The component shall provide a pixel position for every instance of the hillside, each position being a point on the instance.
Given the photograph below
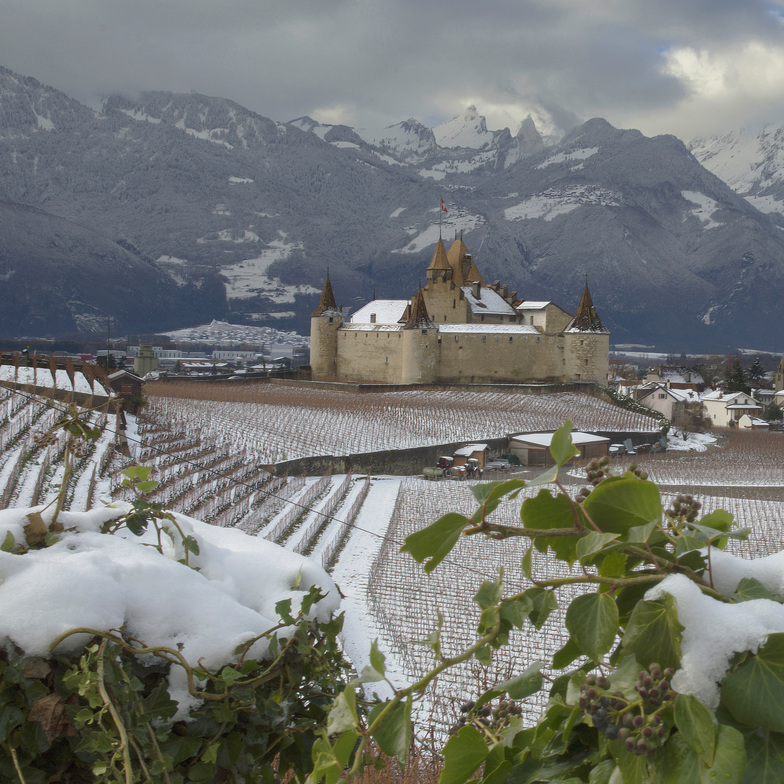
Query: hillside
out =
(245, 215)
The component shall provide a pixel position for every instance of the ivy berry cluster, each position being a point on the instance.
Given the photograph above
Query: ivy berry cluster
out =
(487, 717)
(637, 722)
(684, 508)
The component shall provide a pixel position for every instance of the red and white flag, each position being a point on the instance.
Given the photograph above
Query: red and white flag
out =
(443, 208)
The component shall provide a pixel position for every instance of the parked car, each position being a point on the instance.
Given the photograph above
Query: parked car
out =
(498, 465)
(616, 450)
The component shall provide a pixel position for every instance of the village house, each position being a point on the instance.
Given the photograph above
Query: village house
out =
(533, 449)
(665, 399)
(724, 409)
(458, 330)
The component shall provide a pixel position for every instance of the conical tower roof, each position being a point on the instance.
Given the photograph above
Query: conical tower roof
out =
(586, 319)
(457, 252)
(327, 301)
(419, 318)
(439, 260)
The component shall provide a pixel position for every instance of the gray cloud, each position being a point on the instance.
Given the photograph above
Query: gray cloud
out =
(382, 61)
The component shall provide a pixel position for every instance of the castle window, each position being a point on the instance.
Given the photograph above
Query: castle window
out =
(424, 332)
(456, 338)
(510, 338)
(386, 359)
(484, 338)
(582, 342)
(586, 362)
(454, 303)
(578, 376)
(331, 319)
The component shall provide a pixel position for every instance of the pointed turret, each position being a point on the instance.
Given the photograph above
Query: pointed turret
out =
(439, 264)
(586, 319)
(327, 301)
(464, 270)
(419, 318)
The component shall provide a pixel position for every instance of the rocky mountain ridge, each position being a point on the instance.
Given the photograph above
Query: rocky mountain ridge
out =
(244, 215)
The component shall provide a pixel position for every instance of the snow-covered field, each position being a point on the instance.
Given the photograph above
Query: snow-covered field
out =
(207, 455)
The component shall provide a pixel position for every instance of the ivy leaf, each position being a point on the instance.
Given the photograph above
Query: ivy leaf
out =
(393, 735)
(620, 505)
(489, 594)
(543, 601)
(527, 565)
(436, 541)
(592, 620)
(653, 632)
(515, 611)
(561, 447)
(343, 714)
(490, 494)
(750, 588)
(191, 544)
(566, 655)
(695, 723)
(518, 688)
(137, 472)
(377, 659)
(764, 758)
(146, 487)
(680, 763)
(754, 692)
(593, 543)
(463, 754)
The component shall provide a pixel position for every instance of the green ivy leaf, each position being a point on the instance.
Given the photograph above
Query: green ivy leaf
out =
(463, 754)
(436, 541)
(146, 487)
(561, 447)
(620, 505)
(527, 563)
(517, 688)
(750, 588)
(137, 472)
(592, 621)
(343, 714)
(377, 659)
(394, 733)
(764, 758)
(754, 692)
(695, 723)
(564, 656)
(681, 764)
(515, 611)
(489, 594)
(593, 543)
(543, 601)
(8, 543)
(653, 632)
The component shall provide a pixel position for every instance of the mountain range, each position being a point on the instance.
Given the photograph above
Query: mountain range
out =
(167, 210)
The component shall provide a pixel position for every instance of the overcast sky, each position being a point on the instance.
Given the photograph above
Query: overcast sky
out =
(688, 67)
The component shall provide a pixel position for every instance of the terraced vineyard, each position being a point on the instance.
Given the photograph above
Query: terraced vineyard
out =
(208, 464)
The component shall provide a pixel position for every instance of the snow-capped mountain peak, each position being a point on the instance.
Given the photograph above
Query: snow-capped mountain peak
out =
(466, 130)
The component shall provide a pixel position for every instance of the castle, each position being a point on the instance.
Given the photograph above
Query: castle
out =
(458, 330)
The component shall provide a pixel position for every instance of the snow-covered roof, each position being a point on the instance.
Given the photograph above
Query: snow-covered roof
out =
(368, 327)
(532, 305)
(387, 311)
(489, 302)
(467, 451)
(681, 395)
(544, 439)
(489, 329)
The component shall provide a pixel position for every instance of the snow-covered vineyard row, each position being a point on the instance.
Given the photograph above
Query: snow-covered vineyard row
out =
(195, 477)
(745, 458)
(270, 423)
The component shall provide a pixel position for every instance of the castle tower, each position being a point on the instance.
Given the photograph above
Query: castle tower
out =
(439, 268)
(325, 321)
(420, 346)
(586, 344)
(464, 269)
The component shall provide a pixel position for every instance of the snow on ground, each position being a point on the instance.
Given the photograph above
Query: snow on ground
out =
(554, 202)
(428, 237)
(248, 278)
(704, 210)
(568, 157)
(352, 573)
(680, 441)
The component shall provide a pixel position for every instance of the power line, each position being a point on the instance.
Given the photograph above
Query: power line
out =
(241, 483)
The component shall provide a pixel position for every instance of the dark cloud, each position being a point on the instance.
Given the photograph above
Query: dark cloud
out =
(382, 62)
